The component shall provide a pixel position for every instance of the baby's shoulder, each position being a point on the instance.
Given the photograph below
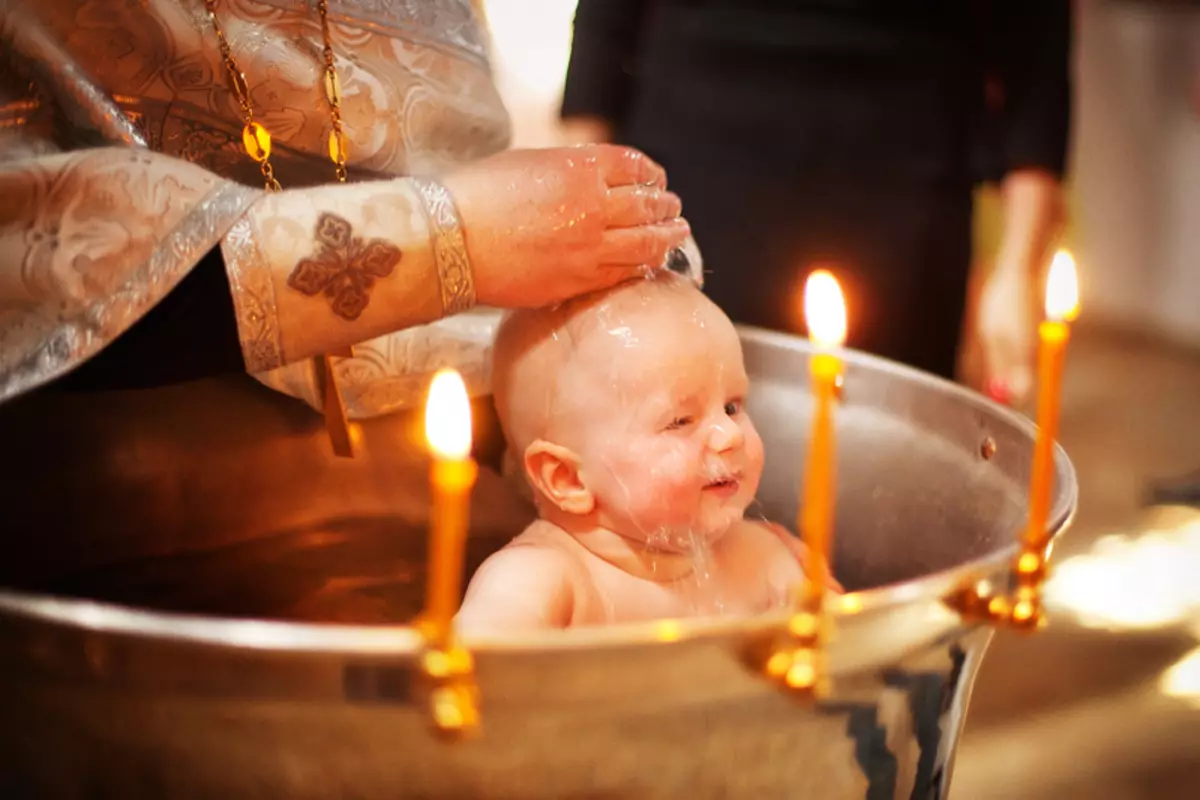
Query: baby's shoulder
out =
(538, 550)
(749, 534)
(526, 584)
(760, 544)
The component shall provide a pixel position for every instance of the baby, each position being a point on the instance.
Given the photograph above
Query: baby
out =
(627, 411)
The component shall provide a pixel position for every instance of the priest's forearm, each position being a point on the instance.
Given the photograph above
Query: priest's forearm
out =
(318, 269)
(92, 241)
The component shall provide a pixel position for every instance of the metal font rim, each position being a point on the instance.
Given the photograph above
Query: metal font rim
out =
(405, 641)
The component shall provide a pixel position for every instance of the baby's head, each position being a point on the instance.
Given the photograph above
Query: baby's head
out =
(626, 408)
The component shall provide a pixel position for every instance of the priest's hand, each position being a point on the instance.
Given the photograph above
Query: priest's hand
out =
(542, 226)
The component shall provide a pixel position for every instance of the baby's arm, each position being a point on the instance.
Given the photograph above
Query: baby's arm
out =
(518, 589)
(799, 555)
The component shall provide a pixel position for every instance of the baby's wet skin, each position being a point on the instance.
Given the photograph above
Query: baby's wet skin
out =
(627, 411)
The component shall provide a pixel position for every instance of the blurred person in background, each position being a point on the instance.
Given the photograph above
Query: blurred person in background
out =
(1137, 153)
(848, 133)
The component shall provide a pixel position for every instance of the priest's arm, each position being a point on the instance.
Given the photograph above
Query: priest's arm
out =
(168, 267)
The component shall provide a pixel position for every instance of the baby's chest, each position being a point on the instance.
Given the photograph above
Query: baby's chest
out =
(623, 598)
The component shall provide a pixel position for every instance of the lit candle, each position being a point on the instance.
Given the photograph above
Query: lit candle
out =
(825, 314)
(1062, 306)
(448, 430)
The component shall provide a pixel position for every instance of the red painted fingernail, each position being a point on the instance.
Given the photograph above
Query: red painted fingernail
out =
(997, 389)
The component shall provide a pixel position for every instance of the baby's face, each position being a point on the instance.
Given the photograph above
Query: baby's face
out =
(668, 449)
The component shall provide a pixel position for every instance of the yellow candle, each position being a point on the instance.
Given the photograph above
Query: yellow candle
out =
(1062, 306)
(448, 430)
(825, 314)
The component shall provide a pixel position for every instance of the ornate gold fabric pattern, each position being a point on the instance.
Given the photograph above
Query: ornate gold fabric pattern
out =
(392, 372)
(94, 321)
(417, 97)
(253, 298)
(40, 59)
(449, 246)
(449, 25)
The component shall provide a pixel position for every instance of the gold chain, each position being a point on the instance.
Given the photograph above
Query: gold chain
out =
(333, 94)
(256, 140)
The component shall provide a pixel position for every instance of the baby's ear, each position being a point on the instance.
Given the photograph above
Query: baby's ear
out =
(554, 472)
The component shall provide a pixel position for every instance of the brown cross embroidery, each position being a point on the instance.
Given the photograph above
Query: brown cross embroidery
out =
(344, 268)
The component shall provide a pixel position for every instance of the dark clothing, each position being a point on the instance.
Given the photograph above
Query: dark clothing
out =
(901, 254)
(845, 131)
(191, 334)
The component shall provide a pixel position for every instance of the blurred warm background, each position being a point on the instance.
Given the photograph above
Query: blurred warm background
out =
(1096, 708)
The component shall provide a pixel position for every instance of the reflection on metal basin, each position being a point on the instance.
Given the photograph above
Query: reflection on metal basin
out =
(173, 558)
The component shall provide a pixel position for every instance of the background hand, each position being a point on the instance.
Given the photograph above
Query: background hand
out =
(1008, 304)
(1006, 325)
(543, 226)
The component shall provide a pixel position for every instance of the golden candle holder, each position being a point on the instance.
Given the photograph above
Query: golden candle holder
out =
(256, 700)
(1020, 607)
(796, 662)
(446, 681)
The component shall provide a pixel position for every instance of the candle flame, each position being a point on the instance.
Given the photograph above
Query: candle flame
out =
(448, 416)
(824, 310)
(1062, 289)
